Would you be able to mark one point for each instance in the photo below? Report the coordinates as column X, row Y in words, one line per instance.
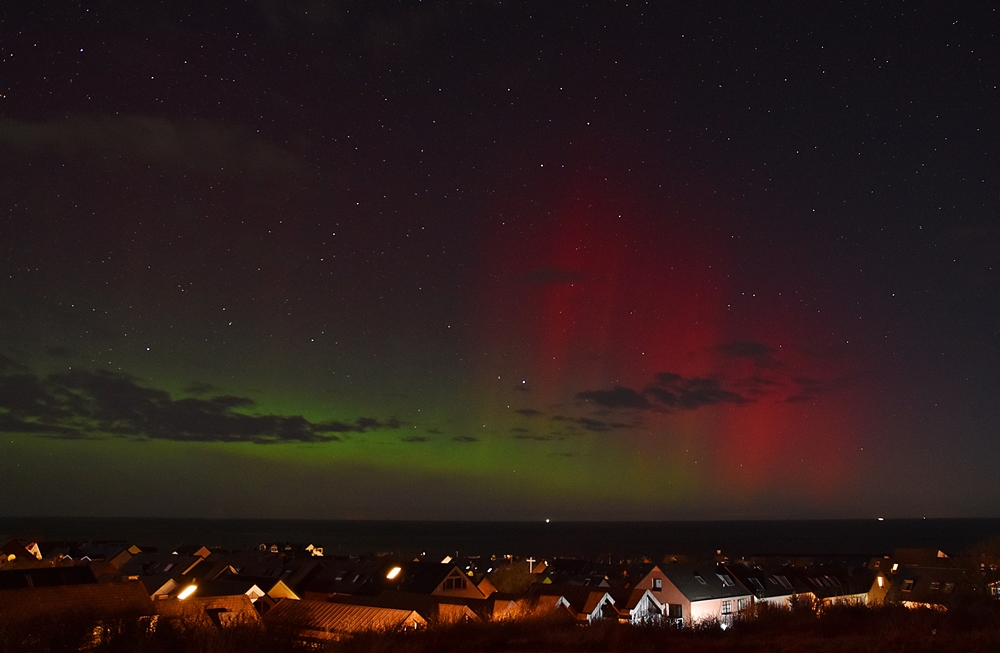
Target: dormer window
column 726, row 580
column 701, row 580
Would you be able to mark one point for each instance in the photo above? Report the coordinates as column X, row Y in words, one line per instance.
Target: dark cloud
column 669, row 391
column 85, row 404
column 758, row 352
column 528, row 412
column 674, row 391
column 619, row 397
column 199, row 389
column 587, row 424
column 415, row 438
column 757, row 386
column 465, row 438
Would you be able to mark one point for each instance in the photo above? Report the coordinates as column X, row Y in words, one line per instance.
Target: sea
column 655, row 540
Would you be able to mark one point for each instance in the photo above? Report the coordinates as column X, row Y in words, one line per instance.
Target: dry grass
column 835, row 630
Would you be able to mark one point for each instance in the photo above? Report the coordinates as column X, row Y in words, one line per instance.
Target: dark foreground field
column 855, row 629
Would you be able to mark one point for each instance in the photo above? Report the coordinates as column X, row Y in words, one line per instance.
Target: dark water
column 590, row 539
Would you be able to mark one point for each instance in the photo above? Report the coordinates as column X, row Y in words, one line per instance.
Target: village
column 316, row 598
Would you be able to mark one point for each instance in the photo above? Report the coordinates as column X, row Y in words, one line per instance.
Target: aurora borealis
column 487, row 260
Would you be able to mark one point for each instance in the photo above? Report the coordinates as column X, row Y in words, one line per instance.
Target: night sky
column 497, row 260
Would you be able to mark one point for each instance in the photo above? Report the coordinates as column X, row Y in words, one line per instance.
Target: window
column 727, row 608
column 455, row 584
column 756, row 583
column 907, row 585
column 726, row 580
column 949, row 588
column 657, row 584
column 935, row 586
column 784, row 582
column 741, row 604
column 700, row 579
column 675, row 611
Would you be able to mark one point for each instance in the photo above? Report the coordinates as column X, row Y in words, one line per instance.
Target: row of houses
column 324, row 598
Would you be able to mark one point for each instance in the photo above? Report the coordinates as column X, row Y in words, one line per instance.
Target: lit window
column 393, row 572
column 727, row 607
column 657, row 584
column 881, row 581
column 188, row 591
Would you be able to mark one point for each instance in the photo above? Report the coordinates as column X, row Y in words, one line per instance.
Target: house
column 938, row 588
column 832, row 583
column 695, row 593
column 45, row 577
column 502, row 607
column 84, row 600
column 437, row 579
column 774, row 589
column 165, row 575
column 318, row 622
column 209, row 612
column 340, row 576
column 585, row 603
column 638, row 606
column 435, row 609
column 18, row 550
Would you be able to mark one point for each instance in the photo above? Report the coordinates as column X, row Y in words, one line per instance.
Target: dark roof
column 46, row 577
column 218, row 611
column 431, row 608
column 763, row 584
column 322, row 620
column 583, row 600
column 701, row 582
column 931, row 585
column 343, row 576
column 98, row 599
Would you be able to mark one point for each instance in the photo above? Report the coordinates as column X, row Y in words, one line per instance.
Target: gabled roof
column 628, row 599
column 321, row 620
column 703, row 582
column 928, row 585
column 204, row 611
column 430, row 607
column 345, row 576
column 90, row 598
column 763, row 584
column 582, row 600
